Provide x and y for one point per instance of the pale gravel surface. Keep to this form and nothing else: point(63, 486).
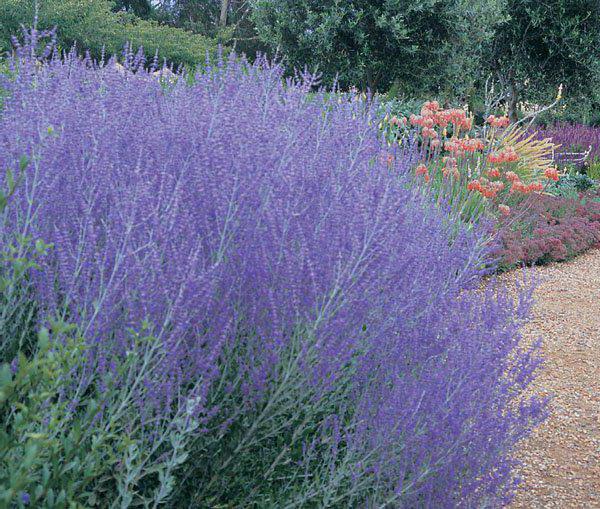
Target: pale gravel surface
point(561, 460)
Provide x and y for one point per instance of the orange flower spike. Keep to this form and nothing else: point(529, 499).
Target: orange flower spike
point(474, 185)
point(511, 155)
point(504, 209)
point(493, 158)
point(551, 174)
point(493, 173)
point(421, 170)
point(511, 176)
point(519, 187)
point(502, 121)
point(415, 119)
point(535, 187)
point(433, 105)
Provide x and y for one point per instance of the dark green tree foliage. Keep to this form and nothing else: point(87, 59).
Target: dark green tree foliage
point(228, 21)
point(422, 46)
point(94, 25)
point(542, 44)
point(141, 8)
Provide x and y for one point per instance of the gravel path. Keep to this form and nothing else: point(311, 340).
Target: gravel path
point(561, 460)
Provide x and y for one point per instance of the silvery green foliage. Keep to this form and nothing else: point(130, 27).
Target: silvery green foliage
point(312, 313)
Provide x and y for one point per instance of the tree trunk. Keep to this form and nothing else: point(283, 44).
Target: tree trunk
point(223, 17)
point(513, 98)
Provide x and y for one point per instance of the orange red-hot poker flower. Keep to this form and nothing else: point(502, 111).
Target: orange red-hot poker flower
point(498, 121)
point(474, 185)
point(431, 115)
point(449, 161)
point(535, 187)
point(551, 174)
point(504, 209)
point(421, 170)
point(431, 106)
point(507, 155)
point(520, 187)
point(398, 121)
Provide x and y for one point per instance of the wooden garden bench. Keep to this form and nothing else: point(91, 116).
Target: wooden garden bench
point(576, 158)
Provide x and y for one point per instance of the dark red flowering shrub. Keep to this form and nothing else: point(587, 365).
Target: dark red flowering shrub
point(549, 228)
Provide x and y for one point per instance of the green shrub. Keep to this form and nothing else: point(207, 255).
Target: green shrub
point(56, 450)
point(569, 186)
point(91, 24)
point(593, 169)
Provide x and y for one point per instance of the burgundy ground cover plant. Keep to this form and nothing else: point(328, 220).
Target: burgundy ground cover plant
point(314, 316)
point(549, 228)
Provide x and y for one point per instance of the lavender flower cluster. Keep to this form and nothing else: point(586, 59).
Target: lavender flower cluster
point(303, 294)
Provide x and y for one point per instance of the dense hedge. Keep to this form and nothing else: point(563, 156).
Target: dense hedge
point(92, 25)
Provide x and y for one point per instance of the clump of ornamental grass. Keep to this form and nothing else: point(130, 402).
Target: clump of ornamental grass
point(270, 309)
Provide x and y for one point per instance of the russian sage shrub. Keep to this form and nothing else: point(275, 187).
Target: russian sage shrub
point(317, 317)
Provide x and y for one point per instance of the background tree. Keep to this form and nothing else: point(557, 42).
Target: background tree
point(141, 8)
point(542, 44)
point(228, 21)
point(421, 46)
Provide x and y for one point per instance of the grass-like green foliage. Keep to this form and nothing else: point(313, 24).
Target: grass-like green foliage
point(593, 169)
point(91, 24)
